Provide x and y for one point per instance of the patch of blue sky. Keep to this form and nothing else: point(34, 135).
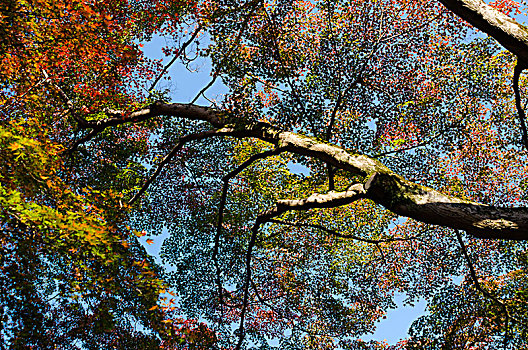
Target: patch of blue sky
point(185, 82)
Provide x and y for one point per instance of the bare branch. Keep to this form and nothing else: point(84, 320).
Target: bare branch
point(404, 197)
point(178, 54)
point(185, 111)
point(384, 186)
point(315, 201)
point(215, 76)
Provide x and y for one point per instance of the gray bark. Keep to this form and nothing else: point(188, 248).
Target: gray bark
point(510, 34)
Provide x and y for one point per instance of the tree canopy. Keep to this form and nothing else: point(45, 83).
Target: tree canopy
point(405, 116)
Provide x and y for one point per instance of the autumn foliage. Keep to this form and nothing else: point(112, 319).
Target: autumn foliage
point(293, 208)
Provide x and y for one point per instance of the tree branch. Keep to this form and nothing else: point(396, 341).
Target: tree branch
point(341, 235)
point(185, 111)
point(118, 117)
point(384, 186)
point(223, 199)
point(178, 54)
point(330, 200)
point(404, 197)
point(518, 103)
point(510, 34)
point(478, 285)
point(254, 231)
point(314, 201)
point(168, 157)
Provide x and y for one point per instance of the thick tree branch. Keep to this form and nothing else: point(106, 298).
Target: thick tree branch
point(384, 187)
point(403, 197)
point(330, 200)
point(510, 34)
point(117, 117)
point(185, 111)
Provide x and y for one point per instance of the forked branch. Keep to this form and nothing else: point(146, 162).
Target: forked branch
point(478, 286)
point(223, 199)
point(329, 200)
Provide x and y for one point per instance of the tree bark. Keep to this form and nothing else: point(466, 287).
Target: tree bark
point(382, 185)
point(510, 34)
point(404, 197)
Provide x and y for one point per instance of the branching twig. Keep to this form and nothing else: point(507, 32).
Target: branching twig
point(478, 285)
point(168, 157)
point(178, 54)
point(223, 199)
point(329, 200)
point(341, 235)
point(228, 54)
point(82, 140)
point(215, 76)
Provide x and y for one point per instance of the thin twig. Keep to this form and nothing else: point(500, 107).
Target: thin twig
point(478, 285)
point(241, 331)
point(229, 52)
point(178, 54)
point(215, 76)
point(424, 143)
point(341, 235)
point(168, 157)
point(82, 140)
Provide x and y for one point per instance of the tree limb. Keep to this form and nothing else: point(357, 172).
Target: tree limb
point(185, 111)
point(384, 187)
point(401, 196)
point(510, 34)
point(223, 199)
point(518, 103)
